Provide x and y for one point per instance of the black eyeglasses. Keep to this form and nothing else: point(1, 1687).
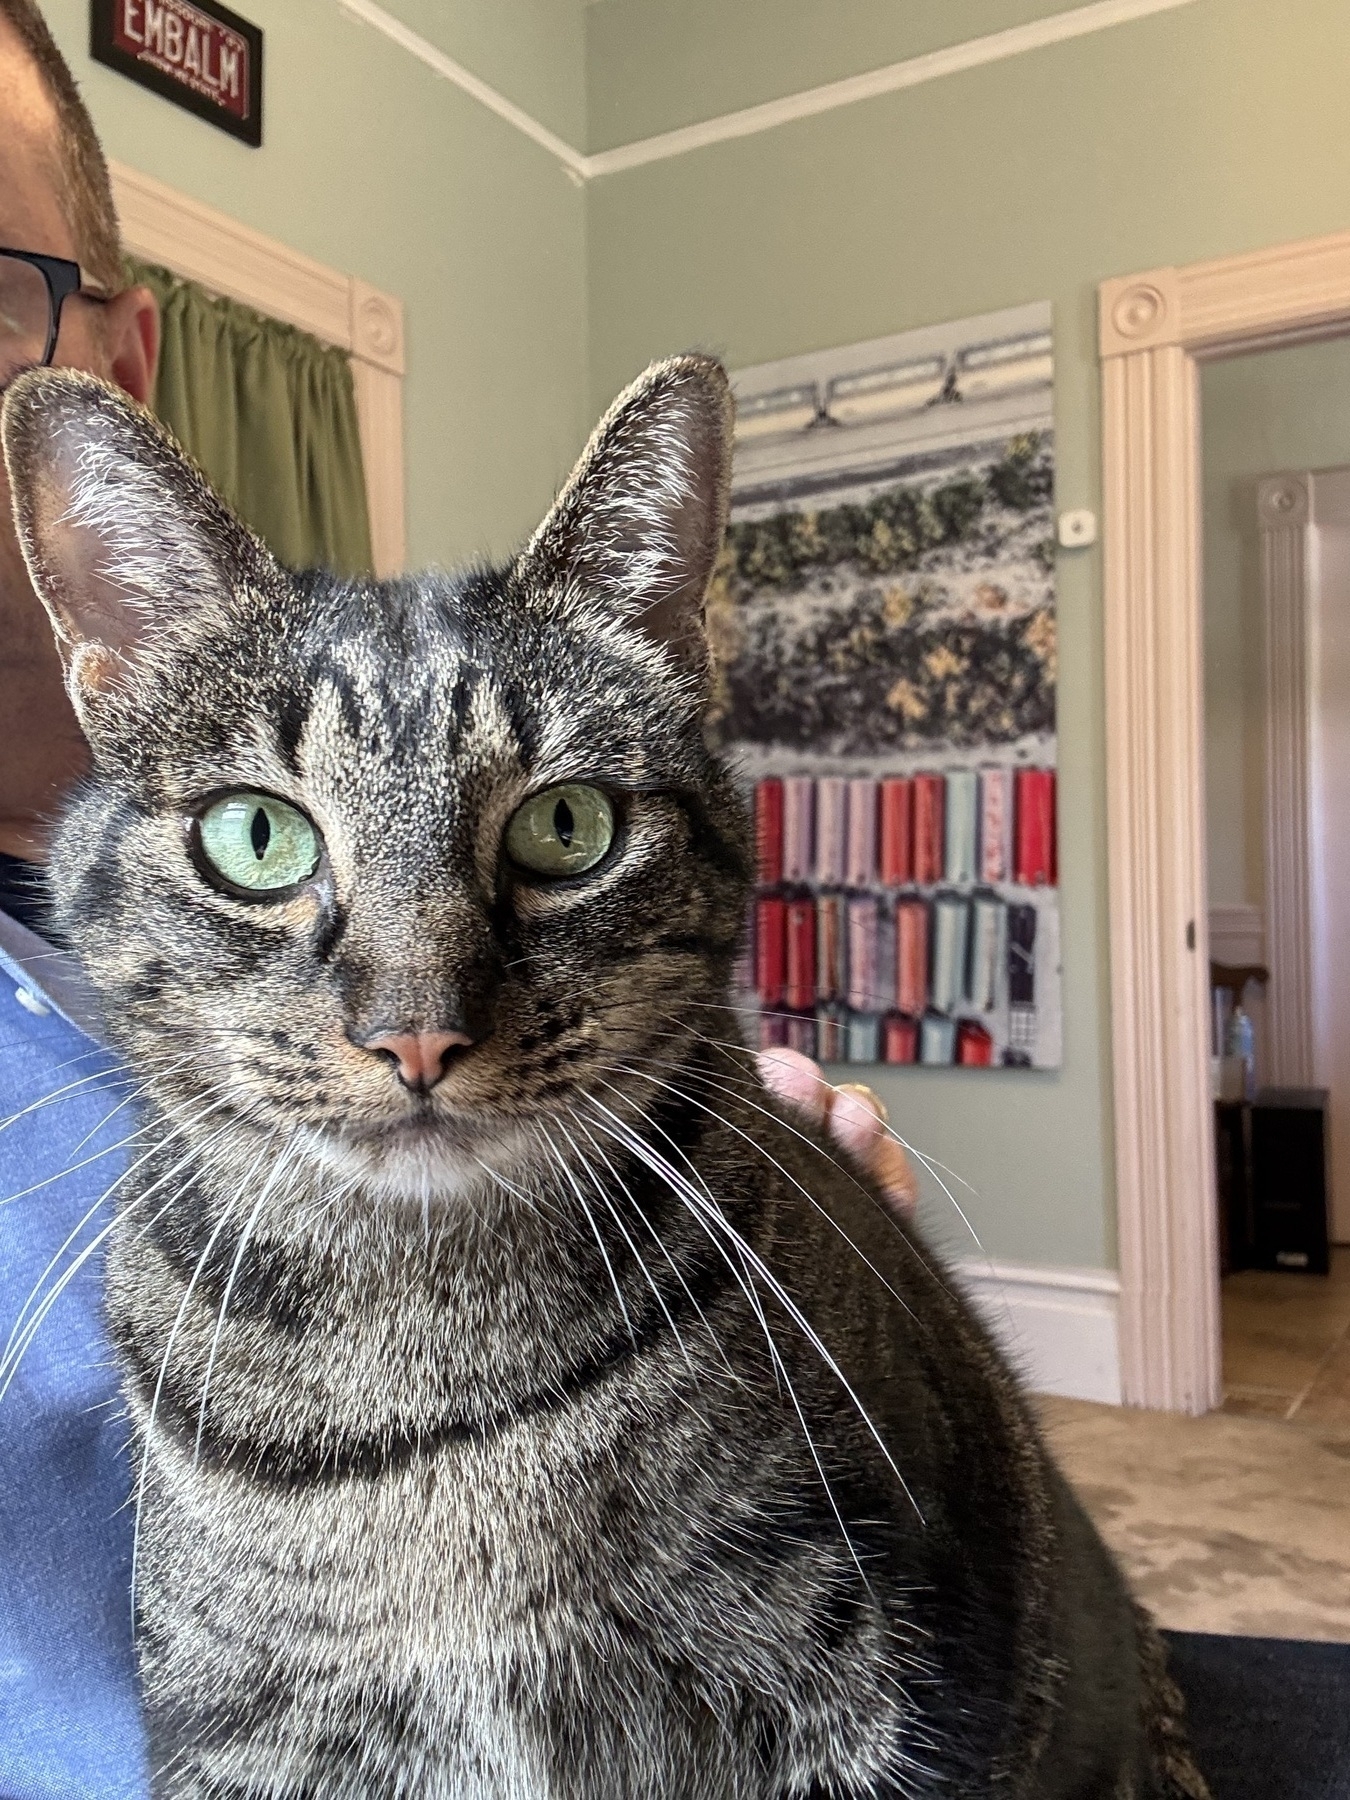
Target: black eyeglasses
point(33, 289)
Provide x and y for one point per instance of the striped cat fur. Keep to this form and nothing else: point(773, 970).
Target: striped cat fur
point(580, 1426)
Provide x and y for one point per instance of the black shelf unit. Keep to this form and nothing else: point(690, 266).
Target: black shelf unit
point(1289, 1185)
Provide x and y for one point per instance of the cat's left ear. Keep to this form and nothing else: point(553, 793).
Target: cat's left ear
point(641, 520)
point(125, 543)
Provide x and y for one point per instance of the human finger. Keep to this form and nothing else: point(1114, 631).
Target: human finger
point(795, 1078)
point(858, 1121)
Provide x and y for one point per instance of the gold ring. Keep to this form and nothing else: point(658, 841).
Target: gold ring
point(870, 1095)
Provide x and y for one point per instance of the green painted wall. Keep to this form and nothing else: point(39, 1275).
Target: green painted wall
point(1211, 129)
point(1282, 409)
point(374, 165)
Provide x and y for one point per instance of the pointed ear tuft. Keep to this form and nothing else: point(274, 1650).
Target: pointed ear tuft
point(639, 525)
point(125, 543)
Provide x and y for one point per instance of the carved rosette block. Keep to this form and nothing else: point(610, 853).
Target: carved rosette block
point(1139, 313)
point(1283, 502)
point(377, 327)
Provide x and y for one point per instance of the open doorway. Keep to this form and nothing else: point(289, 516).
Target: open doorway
point(1156, 329)
point(1275, 437)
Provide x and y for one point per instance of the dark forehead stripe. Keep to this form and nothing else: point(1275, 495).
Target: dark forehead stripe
point(397, 621)
point(398, 665)
point(295, 703)
point(522, 716)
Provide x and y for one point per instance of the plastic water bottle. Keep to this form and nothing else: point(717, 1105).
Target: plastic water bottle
point(1241, 1046)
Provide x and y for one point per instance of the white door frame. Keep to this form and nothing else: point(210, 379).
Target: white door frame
point(161, 225)
point(1155, 328)
point(1284, 516)
point(1304, 521)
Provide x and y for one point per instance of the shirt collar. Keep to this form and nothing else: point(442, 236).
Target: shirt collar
point(50, 976)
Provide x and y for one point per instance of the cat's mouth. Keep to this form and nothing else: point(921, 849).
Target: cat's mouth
point(427, 1142)
point(424, 1126)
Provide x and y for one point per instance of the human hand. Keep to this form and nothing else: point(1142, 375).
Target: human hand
point(855, 1116)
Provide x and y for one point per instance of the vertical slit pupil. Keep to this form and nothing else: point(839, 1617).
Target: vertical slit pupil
point(260, 833)
point(564, 824)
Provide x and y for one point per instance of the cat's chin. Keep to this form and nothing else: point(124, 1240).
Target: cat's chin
point(419, 1158)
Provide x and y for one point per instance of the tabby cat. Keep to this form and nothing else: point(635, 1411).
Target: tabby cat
point(524, 1403)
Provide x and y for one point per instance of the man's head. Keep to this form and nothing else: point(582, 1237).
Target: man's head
point(54, 198)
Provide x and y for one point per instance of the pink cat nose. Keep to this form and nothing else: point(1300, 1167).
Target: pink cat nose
point(421, 1056)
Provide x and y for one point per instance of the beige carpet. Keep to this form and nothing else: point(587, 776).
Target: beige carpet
point(1226, 1523)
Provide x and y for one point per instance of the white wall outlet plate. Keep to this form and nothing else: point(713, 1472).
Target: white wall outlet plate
point(1077, 529)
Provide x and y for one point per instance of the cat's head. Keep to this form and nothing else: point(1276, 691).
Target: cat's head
point(393, 870)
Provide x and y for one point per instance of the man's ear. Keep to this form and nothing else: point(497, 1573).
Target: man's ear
point(126, 545)
point(641, 520)
point(131, 336)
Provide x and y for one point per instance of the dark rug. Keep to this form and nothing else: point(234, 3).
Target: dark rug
point(1269, 1717)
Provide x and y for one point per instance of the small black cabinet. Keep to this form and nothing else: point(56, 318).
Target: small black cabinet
point(1233, 1166)
point(1289, 1137)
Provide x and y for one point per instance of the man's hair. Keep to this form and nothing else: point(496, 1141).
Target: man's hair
point(82, 173)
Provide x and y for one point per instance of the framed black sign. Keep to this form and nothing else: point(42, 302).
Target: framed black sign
point(194, 52)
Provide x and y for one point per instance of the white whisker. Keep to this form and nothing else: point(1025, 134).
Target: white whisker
point(657, 1240)
point(780, 1293)
point(721, 1119)
point(928, 1162)
point(683, 1190)
point(102, 1200)
point(633, 1249)
point(149, 1433)
point(235, 1266)
point(595, 1232)
point(15, 1352)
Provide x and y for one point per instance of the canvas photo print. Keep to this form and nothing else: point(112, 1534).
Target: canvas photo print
point(883, 621)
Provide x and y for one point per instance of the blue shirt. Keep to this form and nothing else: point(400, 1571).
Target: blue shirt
point(70, 1726)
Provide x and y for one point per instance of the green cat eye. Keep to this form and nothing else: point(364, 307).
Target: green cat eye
point(563, 831)
point(258, 843)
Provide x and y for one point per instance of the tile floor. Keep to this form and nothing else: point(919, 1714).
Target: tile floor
point(1238, 1522)
point(1286, 1344)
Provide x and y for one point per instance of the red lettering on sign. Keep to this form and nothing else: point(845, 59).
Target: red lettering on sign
point(188, 45)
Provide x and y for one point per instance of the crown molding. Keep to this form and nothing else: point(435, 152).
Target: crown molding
point(574, 161)
point(749, 121)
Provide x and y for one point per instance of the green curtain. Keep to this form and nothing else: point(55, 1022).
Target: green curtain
point(269, 413)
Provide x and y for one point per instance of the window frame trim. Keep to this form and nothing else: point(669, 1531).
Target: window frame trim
point(162, 225)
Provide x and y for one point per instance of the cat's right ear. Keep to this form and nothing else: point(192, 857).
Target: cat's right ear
point(126, 545)
point(639, 524)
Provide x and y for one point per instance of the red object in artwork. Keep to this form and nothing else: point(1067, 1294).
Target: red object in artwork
point(897, 806)
point(974, 1046)
point(769, 831)
point(770, 950)
point(800, 986)
point(831, 962)
point(862, 915)
point(911, 956)
point(1035, 827)
point(930, 792)
point(996, 812)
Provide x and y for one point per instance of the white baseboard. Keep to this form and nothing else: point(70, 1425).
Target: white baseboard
point(1057, 1325)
